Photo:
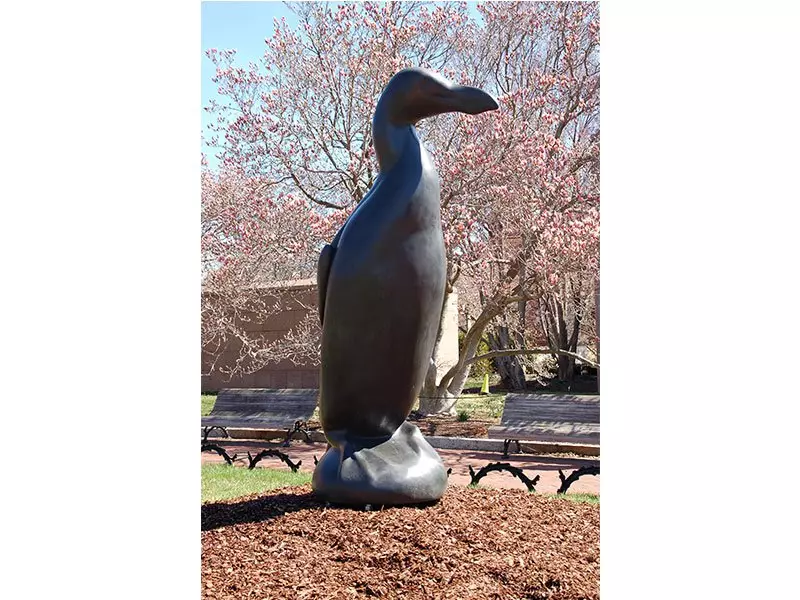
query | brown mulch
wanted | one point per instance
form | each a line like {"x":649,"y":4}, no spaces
{"x":446,"y":426}
{"x":475,"y":543}
{"x":451,"y":427}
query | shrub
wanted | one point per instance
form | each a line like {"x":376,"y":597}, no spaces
{"x":463,"y":416}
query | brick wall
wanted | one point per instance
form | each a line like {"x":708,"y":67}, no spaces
{"x":285,"y":374}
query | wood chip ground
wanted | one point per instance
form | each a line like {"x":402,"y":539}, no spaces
{"x":475,"y":543}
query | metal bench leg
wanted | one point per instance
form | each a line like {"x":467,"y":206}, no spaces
{"x":506,"y":444}
{"x":299,"y":427}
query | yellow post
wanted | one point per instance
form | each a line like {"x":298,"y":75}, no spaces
{"x":485,"y":386}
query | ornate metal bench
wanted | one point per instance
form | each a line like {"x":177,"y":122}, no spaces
{"x":559,"y":418}
{"x":260,"y":408}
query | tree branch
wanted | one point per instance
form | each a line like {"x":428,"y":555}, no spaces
{"x":496,"y":353}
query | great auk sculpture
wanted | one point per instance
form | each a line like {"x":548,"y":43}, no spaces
{"x":381,"y":288}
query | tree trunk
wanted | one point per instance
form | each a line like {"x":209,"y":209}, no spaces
{"x":434,"y":405}
{"x":452,"y":383}
{"x":449,"y":388}
{"x":555,"y":325}
{"x":509,"y":367}
{"x":566,"y":368}
{"x":566,"y":364}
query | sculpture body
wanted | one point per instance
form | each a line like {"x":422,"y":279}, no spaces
{"x":381,"y":284}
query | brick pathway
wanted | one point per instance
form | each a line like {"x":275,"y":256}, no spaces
{"x":458,"y":460}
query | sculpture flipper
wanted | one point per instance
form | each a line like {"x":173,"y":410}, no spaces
{"x":323,"y":271}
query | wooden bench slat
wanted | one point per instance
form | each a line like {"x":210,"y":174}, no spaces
{"x":266,"y":393}
{"x":552,"y":403}
{"x":267,"y":405}
{"x":260,"y":414}
{"x":550,"y":418}
{"x":217,"y":420}
{"x":521,"y":420}
{"x":549,"y":425}
{"x":554,"y":410}
{"x":547,"y":434}
{"x":553,"y":407}
{"x":591,"y":413}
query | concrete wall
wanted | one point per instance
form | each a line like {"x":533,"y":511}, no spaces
{"x":447,"y":355}
{"x":287,"y":375}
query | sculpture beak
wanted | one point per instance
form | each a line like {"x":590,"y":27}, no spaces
{"x":431,"y":94}
{"x":470,"y":100}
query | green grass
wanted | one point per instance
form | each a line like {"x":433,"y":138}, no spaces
{"x":477,"y":382}
{"x":221,"y":482}
{"x":481,"y":407}
{"x":588,"y":498}
{"x":207,"y":403}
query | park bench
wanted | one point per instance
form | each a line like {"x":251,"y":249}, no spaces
{"x":259,"y":408}
{"x":548,"y":418}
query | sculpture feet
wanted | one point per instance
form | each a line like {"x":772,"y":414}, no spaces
{"x":401,"y":469}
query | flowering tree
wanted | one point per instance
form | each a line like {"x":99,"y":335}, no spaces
{"x":520,"y":186}
{"x":249,"y":242}
{"x":302,"y":118}
{"x":533,"y":207}
{"x":297,"y":156}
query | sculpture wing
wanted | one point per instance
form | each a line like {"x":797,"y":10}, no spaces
{"x":329,"y":251}
{"x":323,"y":271}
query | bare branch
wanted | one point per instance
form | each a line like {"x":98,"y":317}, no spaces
{"x":519,"y":352}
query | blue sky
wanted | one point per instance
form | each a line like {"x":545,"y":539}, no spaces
{"x":241,"y":26}
{"x":238,"y":25}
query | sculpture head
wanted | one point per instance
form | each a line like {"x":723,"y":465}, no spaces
{"x":414,"y":94}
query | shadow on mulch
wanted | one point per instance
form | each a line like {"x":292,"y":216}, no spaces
{"x":255,"y":510}
{"x":222,"y":514}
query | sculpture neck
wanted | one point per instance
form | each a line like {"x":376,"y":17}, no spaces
{"x":390,"y":139}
